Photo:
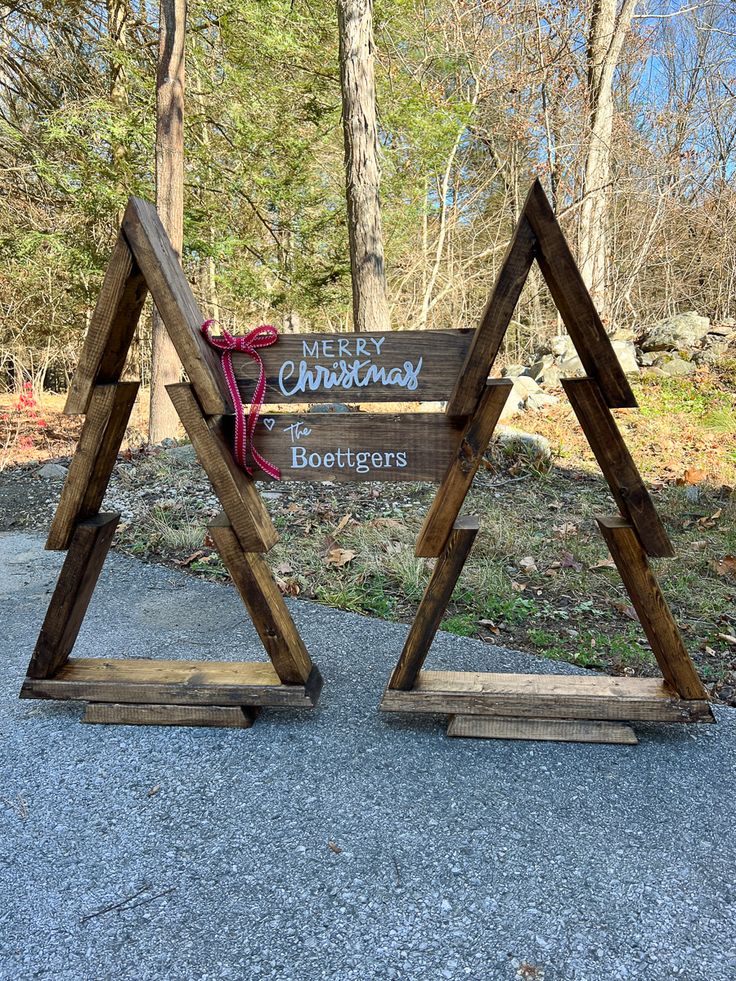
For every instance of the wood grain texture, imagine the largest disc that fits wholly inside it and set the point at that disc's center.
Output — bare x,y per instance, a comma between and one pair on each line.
111,328
322,367
357,446
459,475
574,303
651,607
545,696
93,461
235,489
75,585
553,730
434,603
266,605
155,682
176,304
471,379
221,716
616,464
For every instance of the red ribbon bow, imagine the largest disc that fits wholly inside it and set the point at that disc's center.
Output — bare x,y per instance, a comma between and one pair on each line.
263,336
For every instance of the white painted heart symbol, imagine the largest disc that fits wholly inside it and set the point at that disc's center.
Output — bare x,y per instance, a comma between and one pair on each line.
269,424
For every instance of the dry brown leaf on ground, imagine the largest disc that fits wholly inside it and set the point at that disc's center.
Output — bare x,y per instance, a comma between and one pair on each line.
603,564
339,556
565,529
334,848
729,638
527,564
692,476
343,522
190,558
725,566
711,521
284,569
627,610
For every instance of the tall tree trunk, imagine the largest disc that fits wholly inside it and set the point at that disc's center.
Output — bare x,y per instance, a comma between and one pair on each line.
370,304
608,28
165,366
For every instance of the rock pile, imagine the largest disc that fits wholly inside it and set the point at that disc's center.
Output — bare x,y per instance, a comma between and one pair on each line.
681,344
678,345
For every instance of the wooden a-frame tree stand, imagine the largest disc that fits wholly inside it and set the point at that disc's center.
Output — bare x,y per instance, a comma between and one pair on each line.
141,691
581,708
445,448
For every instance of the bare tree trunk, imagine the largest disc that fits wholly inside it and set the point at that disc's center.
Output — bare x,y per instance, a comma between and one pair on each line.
370,304
605,39
165,366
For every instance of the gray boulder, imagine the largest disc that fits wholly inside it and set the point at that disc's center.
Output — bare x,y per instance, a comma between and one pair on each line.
537,401
514,441
52,471
570,367
521,389
626,354
684,331
677,367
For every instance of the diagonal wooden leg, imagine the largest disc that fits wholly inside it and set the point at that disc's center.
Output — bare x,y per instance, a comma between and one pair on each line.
434,603
456,483
617,465
87,551
494,322
654,614
237,492
261,595
573,300
89,472
111,329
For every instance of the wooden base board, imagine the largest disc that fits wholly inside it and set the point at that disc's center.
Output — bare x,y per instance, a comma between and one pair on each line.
555,730
594,697
153,682
222,716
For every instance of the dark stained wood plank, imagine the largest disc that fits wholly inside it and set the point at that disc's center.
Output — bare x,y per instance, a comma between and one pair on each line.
355,446
459,475
93,461
555,730
434,603
111,328
221,716
471,379
616,464
545,696
235,489
176,304
574,303
654,614
77,579
155,682
262,597
394,366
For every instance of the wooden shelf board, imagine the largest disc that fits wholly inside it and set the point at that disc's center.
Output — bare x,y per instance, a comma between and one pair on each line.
220,716
545,696
552,730
152,681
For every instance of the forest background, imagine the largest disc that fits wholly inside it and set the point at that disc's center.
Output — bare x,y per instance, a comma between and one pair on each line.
474,99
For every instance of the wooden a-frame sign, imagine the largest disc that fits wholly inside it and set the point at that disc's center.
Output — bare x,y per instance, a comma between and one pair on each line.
445,448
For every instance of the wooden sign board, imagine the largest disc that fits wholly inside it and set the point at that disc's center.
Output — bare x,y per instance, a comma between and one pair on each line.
358,446
406,366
